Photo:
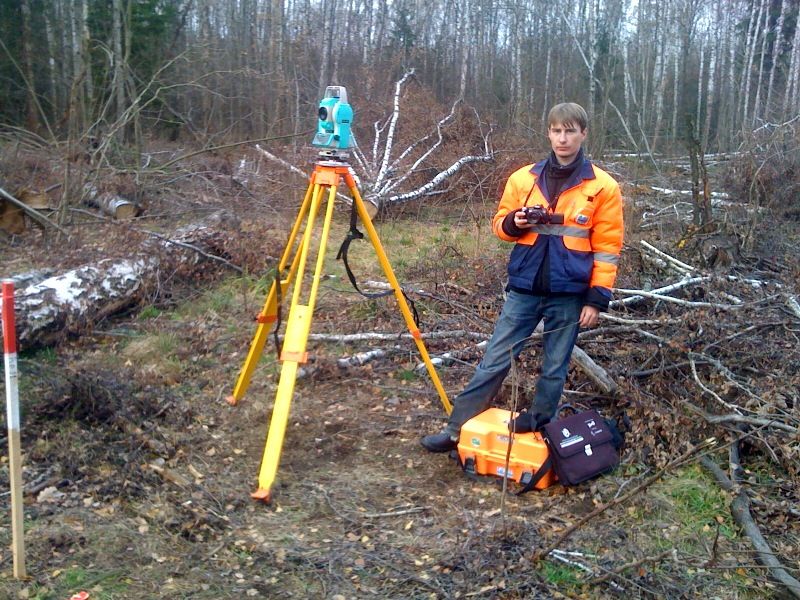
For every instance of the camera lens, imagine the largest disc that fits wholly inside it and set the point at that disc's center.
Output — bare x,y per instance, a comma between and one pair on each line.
323,113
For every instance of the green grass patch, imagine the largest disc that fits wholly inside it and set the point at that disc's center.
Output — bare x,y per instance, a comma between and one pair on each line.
149,312
100,585
46,356
690,507
564,577
407,375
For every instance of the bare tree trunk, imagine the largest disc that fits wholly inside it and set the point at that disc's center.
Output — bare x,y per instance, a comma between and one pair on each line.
118,81
86,58
31,111
701,215
516,64
675,97
793,75
757,102
777,48
730,103
547,69
592,53
750,53
698,110
712,89
463,37
52,52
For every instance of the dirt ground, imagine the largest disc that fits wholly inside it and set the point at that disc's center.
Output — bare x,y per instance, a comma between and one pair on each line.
138,473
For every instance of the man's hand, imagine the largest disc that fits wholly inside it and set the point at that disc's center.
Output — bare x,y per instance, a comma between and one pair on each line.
521,221
589,316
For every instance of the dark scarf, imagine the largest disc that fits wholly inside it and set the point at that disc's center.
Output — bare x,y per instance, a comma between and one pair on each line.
556,175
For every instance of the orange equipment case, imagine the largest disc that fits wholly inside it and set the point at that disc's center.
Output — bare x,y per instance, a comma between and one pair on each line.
483,445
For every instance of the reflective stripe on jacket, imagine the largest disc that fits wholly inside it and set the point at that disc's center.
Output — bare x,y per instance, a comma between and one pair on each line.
584,250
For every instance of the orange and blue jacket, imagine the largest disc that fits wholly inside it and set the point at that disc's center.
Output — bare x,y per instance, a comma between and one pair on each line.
582,254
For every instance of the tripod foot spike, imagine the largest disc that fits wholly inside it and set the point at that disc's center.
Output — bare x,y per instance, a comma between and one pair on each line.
263,495
231,400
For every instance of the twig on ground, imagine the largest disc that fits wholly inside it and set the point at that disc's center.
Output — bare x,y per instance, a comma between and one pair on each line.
740,509
396,513
682,459
631,565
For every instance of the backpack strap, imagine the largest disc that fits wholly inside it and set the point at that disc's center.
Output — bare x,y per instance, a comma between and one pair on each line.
547,465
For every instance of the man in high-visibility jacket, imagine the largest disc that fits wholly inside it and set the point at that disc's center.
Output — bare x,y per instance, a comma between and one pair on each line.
565,215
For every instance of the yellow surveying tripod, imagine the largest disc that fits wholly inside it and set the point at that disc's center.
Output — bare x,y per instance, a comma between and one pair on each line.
325,178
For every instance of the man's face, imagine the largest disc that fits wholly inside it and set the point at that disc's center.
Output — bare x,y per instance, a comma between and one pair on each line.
566,140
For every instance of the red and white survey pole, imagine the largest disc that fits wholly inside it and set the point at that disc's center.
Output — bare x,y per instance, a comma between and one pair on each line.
12,419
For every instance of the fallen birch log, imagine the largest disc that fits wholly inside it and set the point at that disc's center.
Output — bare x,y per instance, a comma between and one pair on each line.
68,303
110,204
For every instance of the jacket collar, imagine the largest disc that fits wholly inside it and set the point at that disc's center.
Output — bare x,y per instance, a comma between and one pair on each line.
583,172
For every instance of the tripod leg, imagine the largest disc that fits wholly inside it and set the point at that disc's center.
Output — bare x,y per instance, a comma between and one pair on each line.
298,326
398,292
269,312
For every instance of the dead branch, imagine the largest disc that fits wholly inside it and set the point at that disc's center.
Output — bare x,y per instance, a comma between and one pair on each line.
707,390
686,281
681,460
624,321
663,298
193,248
673,262
396,513
398,89
740,510
631,565
368,336
31,212
594,372
754,421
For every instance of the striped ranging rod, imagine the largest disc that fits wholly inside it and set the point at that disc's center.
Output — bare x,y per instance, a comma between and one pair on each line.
12,420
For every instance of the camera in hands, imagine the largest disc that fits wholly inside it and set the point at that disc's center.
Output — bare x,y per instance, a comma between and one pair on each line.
538,214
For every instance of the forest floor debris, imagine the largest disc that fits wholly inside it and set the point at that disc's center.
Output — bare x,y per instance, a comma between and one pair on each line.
138,474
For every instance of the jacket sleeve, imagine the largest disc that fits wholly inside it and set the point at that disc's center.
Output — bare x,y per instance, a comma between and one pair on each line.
510,202
606,239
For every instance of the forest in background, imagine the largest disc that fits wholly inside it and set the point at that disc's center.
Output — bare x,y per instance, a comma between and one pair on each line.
655,75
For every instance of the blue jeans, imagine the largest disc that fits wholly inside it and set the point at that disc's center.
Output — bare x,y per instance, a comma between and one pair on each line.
519,317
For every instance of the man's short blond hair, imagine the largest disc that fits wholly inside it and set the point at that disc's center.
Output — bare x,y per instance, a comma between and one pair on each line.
568,113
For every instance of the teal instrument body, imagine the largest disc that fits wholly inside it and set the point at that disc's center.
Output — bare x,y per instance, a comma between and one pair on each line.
335,118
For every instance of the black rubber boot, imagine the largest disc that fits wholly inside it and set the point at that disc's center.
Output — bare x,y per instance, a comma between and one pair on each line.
439,442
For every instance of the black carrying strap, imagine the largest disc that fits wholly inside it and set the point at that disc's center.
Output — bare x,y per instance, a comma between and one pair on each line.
355,234
278,312
546,467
